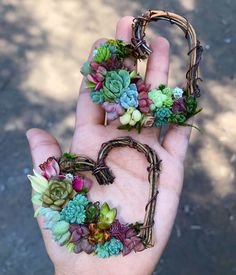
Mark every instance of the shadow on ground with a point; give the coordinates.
(203, 240)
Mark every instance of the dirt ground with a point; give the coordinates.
(43, 45)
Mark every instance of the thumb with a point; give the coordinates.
(42, 146)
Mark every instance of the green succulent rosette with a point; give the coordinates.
(58, 194)
(101, 54)
(114, 85)
(122, 50)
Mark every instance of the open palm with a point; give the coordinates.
(129, 193)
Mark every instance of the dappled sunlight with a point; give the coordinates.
(218, 166)
(51, 78)
(188, 5)
(55, 71)
(217, 151)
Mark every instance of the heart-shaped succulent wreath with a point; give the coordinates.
(61, 190)
(123, 93)
(61, 194)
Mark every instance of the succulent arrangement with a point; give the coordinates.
(124, 95)
(74, 221)
(61, 191)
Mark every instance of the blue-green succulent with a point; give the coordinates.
(97, 97)
(58, 227)
(115, 84)
(75, 212)
(86, 69)
(129, 98)
(110, 248)
(162, 116)
(51, 217)
(60, 232)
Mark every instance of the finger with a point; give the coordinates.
(176, 140)
(124, 33)
(158, 63)
(42, 146)
(158, 66)
(88, 112)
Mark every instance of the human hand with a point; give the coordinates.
(130, 189)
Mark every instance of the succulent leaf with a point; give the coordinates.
(107, 216)
(38, 182)
(70, 247)
(102, 54)
(64, 238)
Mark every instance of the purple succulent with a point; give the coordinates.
(118, 230)
(128, 236)
(132, 242)
(179, 105)
(85, 246)
(79, 234)
(114, 110)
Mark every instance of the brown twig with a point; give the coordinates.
(141, 50)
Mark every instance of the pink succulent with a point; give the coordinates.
(148, 121)
(142, 86)
(143, 101)
(81, 184)
(114, 110)
(97, 77)
(94, 65)
(50, 168)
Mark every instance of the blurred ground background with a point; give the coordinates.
(43, 45)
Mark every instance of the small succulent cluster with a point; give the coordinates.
(123, 93)
(74, 221)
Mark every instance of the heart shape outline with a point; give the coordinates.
(104, 176)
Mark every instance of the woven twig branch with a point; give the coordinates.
(104, 175)
(141, 50)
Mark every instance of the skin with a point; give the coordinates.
(129, 192)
